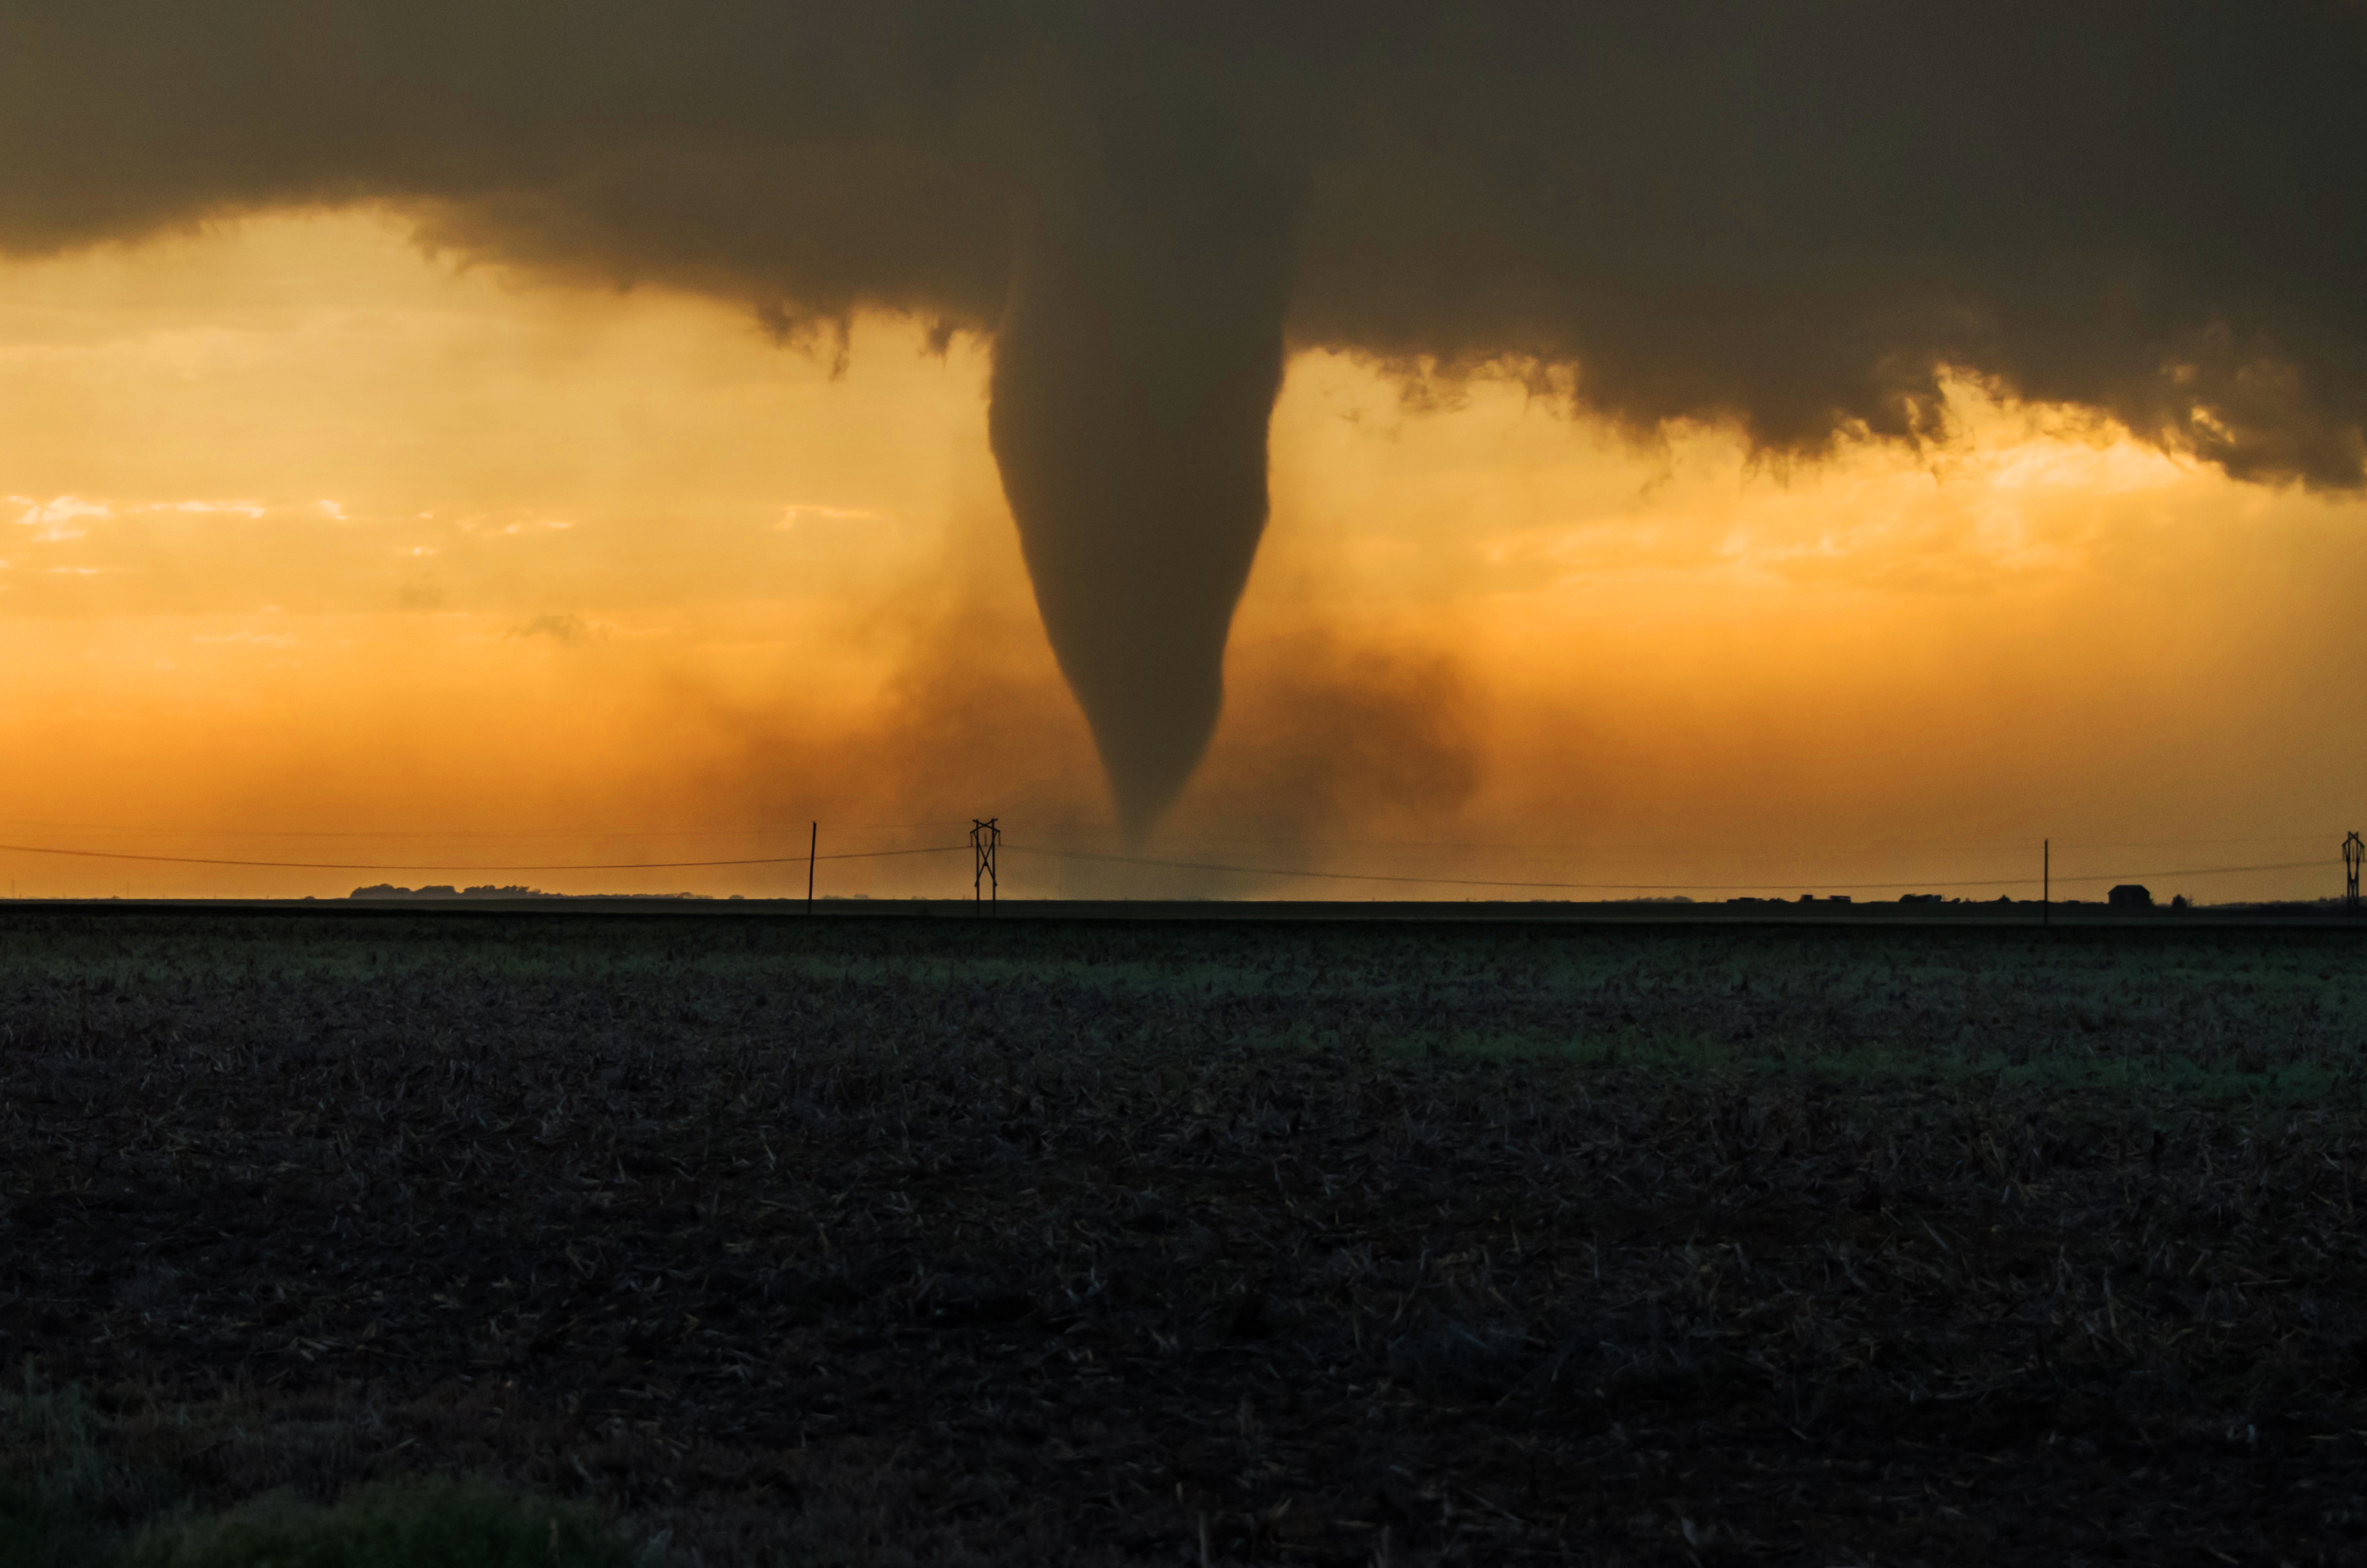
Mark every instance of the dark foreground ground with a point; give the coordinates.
(856, 1242)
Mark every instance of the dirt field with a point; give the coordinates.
(867, 1242)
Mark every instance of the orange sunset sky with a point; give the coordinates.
(319, 548)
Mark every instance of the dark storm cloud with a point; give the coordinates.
(1790, 219)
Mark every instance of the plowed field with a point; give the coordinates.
(1030, 1241)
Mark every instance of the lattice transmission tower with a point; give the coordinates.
(985, 841)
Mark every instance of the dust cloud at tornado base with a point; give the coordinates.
(1792, 223)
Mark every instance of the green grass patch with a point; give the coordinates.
(65, 1504)
(58, 1480)
(449, 1524)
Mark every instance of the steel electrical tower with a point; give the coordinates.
(985, 840)
(2354, 854)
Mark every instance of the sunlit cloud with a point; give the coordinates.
(258, 639)
(793, 516)
(1483, 624)
(571, 630)
(54, 520)
(226, 508)
(494, 526)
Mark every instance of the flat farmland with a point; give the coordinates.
(852, 1241)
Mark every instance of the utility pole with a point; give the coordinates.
(2354, 853)
(813, 843)
(985, 840)
(2047, 881)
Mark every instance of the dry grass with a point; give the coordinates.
(863, 1243)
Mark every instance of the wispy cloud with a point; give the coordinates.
(231, 508)
(508, 522)
(55, 519)
(571, 631)
(792, 516)
(261, 639)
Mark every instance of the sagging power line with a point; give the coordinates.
(986, 842)
(1635, 886)
(447, 835)
(462, 865)
(1072, 831)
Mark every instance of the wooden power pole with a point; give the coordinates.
(813, 843)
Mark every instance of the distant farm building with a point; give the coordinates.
(2129, 895)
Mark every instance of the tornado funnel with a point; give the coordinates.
(1135, 374)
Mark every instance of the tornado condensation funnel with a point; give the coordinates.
(1134, 378)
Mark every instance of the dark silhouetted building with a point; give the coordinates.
(2129, 895)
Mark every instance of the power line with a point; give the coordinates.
(1759, 846)
(449, 866)
(1364, 845)
(459, 833)
(1633, 887)
(1291, 872)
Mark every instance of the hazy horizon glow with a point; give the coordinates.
(307, 534)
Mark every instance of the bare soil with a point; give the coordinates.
(857, 1242)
